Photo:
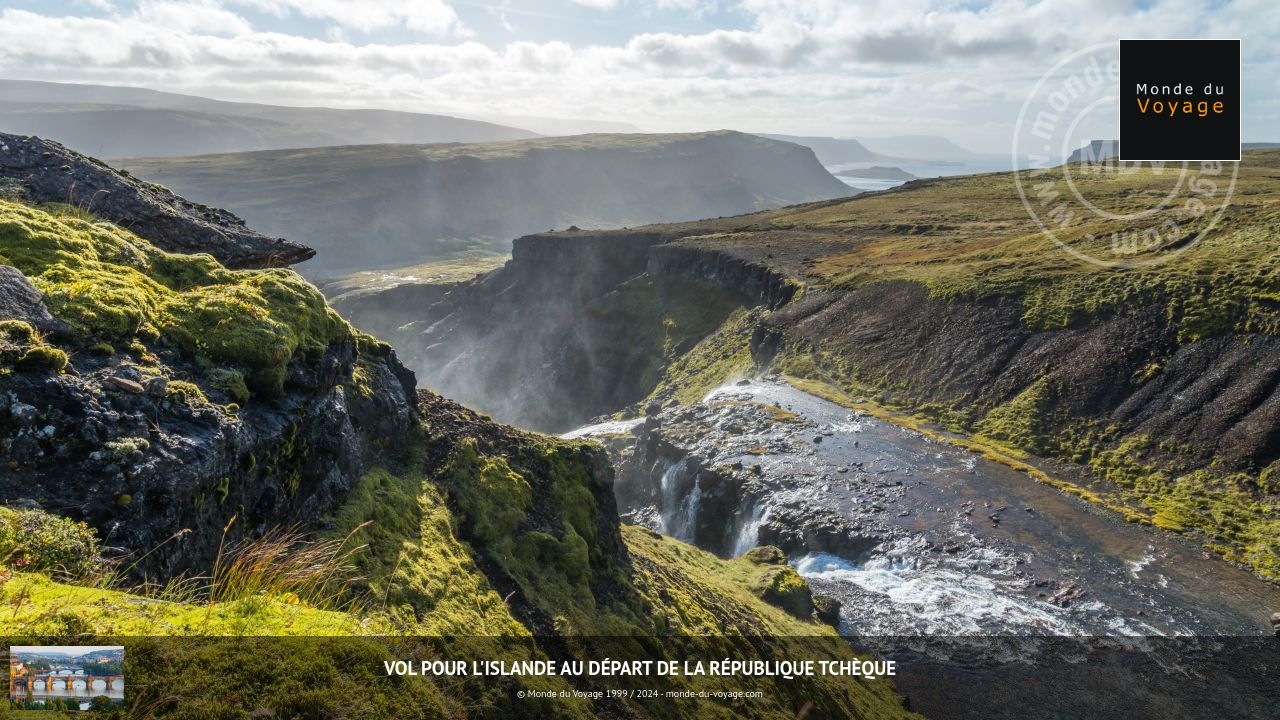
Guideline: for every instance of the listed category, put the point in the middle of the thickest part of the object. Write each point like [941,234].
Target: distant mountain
[920,147]
[108,121]
[563,126]
[831,151]
[380,206]
[878,172]
[1096,151]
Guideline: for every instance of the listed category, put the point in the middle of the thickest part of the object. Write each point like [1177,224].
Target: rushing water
[996,595]
[970,547]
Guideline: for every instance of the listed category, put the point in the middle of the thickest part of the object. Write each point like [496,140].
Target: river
[918,538]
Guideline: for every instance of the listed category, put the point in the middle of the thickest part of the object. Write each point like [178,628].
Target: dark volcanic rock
[142,466]
[1214,398]
[48,172]
[20,300]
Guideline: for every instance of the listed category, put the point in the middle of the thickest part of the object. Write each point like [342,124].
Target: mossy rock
[784,588]
[370,345]
[184,391]
[112,286]
[42,358]
[230,382]
[766,555]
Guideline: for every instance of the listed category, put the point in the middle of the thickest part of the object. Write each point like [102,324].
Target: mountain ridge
[111,121]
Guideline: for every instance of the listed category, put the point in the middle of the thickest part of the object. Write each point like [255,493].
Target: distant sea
[921,169]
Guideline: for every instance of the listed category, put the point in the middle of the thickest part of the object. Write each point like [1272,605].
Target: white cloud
[800,66]
[597,4]
[192,16]
[426,16]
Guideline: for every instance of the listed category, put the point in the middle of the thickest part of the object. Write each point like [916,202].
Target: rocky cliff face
[577,323]
[1208,401]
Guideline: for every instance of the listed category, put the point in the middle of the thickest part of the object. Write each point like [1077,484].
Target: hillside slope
[109,121]
[387,205]
[1152,391]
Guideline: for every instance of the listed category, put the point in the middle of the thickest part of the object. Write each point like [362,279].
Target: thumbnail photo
[66,677]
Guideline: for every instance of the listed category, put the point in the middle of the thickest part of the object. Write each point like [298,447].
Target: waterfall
[670,492]
[688,528]
[749,534]
[680,514]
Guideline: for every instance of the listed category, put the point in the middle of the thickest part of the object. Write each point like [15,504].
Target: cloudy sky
[825,67]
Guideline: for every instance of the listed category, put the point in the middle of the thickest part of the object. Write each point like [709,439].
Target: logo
[1096,207]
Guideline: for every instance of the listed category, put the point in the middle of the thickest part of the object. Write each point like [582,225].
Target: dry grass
[284,563]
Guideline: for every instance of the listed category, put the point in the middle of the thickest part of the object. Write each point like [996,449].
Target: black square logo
[1180,100]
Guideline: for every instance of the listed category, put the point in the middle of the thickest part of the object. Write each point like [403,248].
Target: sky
[807,67]
[70,650]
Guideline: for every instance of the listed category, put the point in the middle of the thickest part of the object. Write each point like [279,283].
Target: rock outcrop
[42,171]
[20,300]
[156,395]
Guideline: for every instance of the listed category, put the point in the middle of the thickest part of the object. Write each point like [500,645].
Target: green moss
[1269,479]
[128,447]
[370,345]
[111,285]
[40,542]
[230,382]
[783,587]
[1023,420]
[185,392]
[18,331]
[360,383]
[490,496]
[719,357]
[494,502]
[102,349]
[42,358]
[46,605]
